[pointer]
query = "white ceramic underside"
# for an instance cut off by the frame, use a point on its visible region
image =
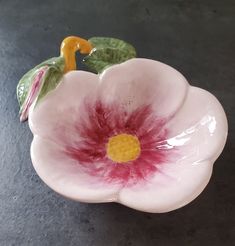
(197, 127)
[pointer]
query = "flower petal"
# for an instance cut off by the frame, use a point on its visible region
(65, 175)
(60, 108)
(172, 187)
(198, 133)
(138, 82)
(199, 129)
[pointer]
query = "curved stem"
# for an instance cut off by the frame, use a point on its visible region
(68, 48)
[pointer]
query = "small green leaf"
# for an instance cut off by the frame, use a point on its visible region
(37, 82)
(52, 79)
(107, 52)
(57, 63)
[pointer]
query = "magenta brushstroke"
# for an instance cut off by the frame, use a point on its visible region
(102, 121)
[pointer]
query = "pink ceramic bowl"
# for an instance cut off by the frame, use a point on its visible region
(137, 134)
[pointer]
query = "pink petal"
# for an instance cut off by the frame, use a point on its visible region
(65, 176)
(199, 129)
(59, 110)
(176, 185)
(138, 82)
(198, 133)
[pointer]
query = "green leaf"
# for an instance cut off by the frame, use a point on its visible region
(56, 63)
(107, 52)
(44, 77)
(52, 79)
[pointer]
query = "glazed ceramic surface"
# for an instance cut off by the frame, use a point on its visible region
(137, 134)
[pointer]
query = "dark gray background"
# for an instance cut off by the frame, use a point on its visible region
(195, 37)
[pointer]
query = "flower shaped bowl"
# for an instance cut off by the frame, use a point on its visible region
(137, 134)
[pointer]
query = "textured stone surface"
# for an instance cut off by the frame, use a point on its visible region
(196, 37)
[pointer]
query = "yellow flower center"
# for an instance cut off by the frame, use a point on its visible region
(123, 148)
